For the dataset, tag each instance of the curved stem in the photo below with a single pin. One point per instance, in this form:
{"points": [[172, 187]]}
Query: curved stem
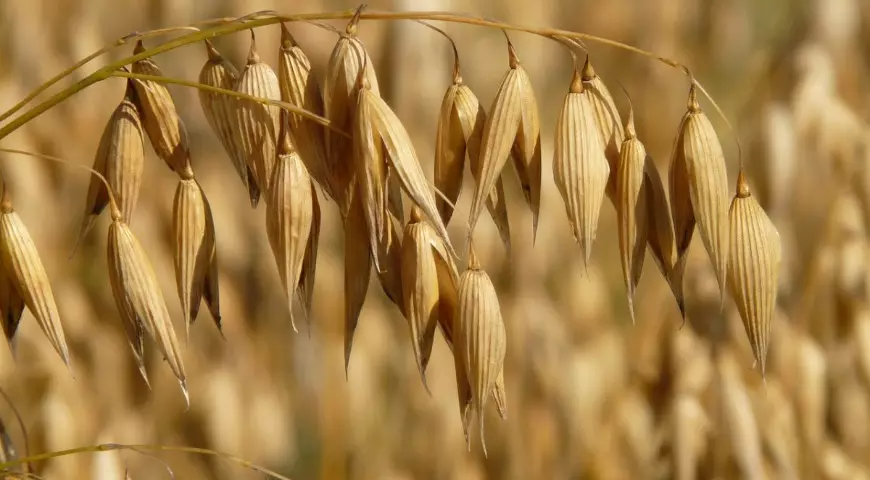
{"points": [[106, 447]]}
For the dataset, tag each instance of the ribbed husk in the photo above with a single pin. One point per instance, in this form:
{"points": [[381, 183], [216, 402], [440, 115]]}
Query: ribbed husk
{"points": [[25, 271], [299, 87], [211, 288], [11, 307], [165, 129], [193, 247], [339, 99], [258, 124], [460, 131], [660, 238], [698, 152], [121, 159], [220, 112], [632, 210], [580, 168], [403, 161], [607, 120], [753, 269], [357, 271], [140, 301], [682, 213], [309, 266], [481, 335], [289, 218], [512, 125]]}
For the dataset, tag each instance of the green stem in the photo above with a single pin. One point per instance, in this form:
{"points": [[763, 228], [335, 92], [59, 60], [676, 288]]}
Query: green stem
{"points": [[244, 24], [107, 447]]}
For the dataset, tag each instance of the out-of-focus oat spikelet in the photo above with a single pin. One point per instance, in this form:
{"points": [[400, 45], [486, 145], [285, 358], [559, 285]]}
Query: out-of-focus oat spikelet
{"points": [[580, 168], [160, 118], [753, 269], [25, 271]]}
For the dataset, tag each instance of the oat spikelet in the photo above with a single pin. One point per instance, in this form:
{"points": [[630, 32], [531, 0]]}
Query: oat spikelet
{"points": [[631, 209], [753, 268], [390, 277], [164, 127], [11, 307], [699, 152], [258, 124], [139, 299], [403, 161], [21, 263], [420, 288], [211, 288], [481, 335], [607, 121], [299, 87], [339, 96], [121, 159], [511, 126], [357, 271], [220, 111], [580, 168], [193, 247], [289, 214]]}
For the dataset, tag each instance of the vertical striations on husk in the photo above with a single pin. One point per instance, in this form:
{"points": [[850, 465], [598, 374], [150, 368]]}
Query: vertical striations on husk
{"points": [[607, 121]]}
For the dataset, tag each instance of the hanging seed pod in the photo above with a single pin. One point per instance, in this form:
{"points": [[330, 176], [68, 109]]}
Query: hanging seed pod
{"points": [[348, 58], [305, 291], [357, 271], [370, 170], [258, 124], [121, 159], [391, 277], [164, 127], [631, 209], [699, 160], [289, 213], [300, 88], [607, 121], [660, 236], [403, 161], [192, 249], [580, 169], [753, 270], [11, 307], [220, 111], [211, 289], [24, 270], [513, 124], [139, 299], [481, 335], [420, 284]]}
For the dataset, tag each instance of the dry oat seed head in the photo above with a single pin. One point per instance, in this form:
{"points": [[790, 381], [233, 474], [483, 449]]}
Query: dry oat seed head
{"points": [[699, 152], [220, 112], [580, 168], [258, 125], [121, 159], [139, 299], [481, 335], [21, 263], [607, 121], [289, 217], [631, 209], [160, 118], [192, 249], [357, 271], [753, 269], [299, 87]]}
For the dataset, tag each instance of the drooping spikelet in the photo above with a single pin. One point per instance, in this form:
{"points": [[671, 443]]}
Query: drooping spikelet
{"points": [[160, 118], [753, 268], [609, 126], [220, 112], [580, 168]]}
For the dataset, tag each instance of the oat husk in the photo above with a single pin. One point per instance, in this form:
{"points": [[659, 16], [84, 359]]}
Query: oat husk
{"points": [[610, 128], [164, 127], [357, 271], [305, 291], [11, 308]]}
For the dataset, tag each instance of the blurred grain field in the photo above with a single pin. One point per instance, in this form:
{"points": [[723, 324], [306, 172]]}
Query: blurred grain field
{"points": [[589, 395]]}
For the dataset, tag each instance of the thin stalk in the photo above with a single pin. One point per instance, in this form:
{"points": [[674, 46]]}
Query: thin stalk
{"points": [[208, 88], [224, 28], [107, 447]]}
